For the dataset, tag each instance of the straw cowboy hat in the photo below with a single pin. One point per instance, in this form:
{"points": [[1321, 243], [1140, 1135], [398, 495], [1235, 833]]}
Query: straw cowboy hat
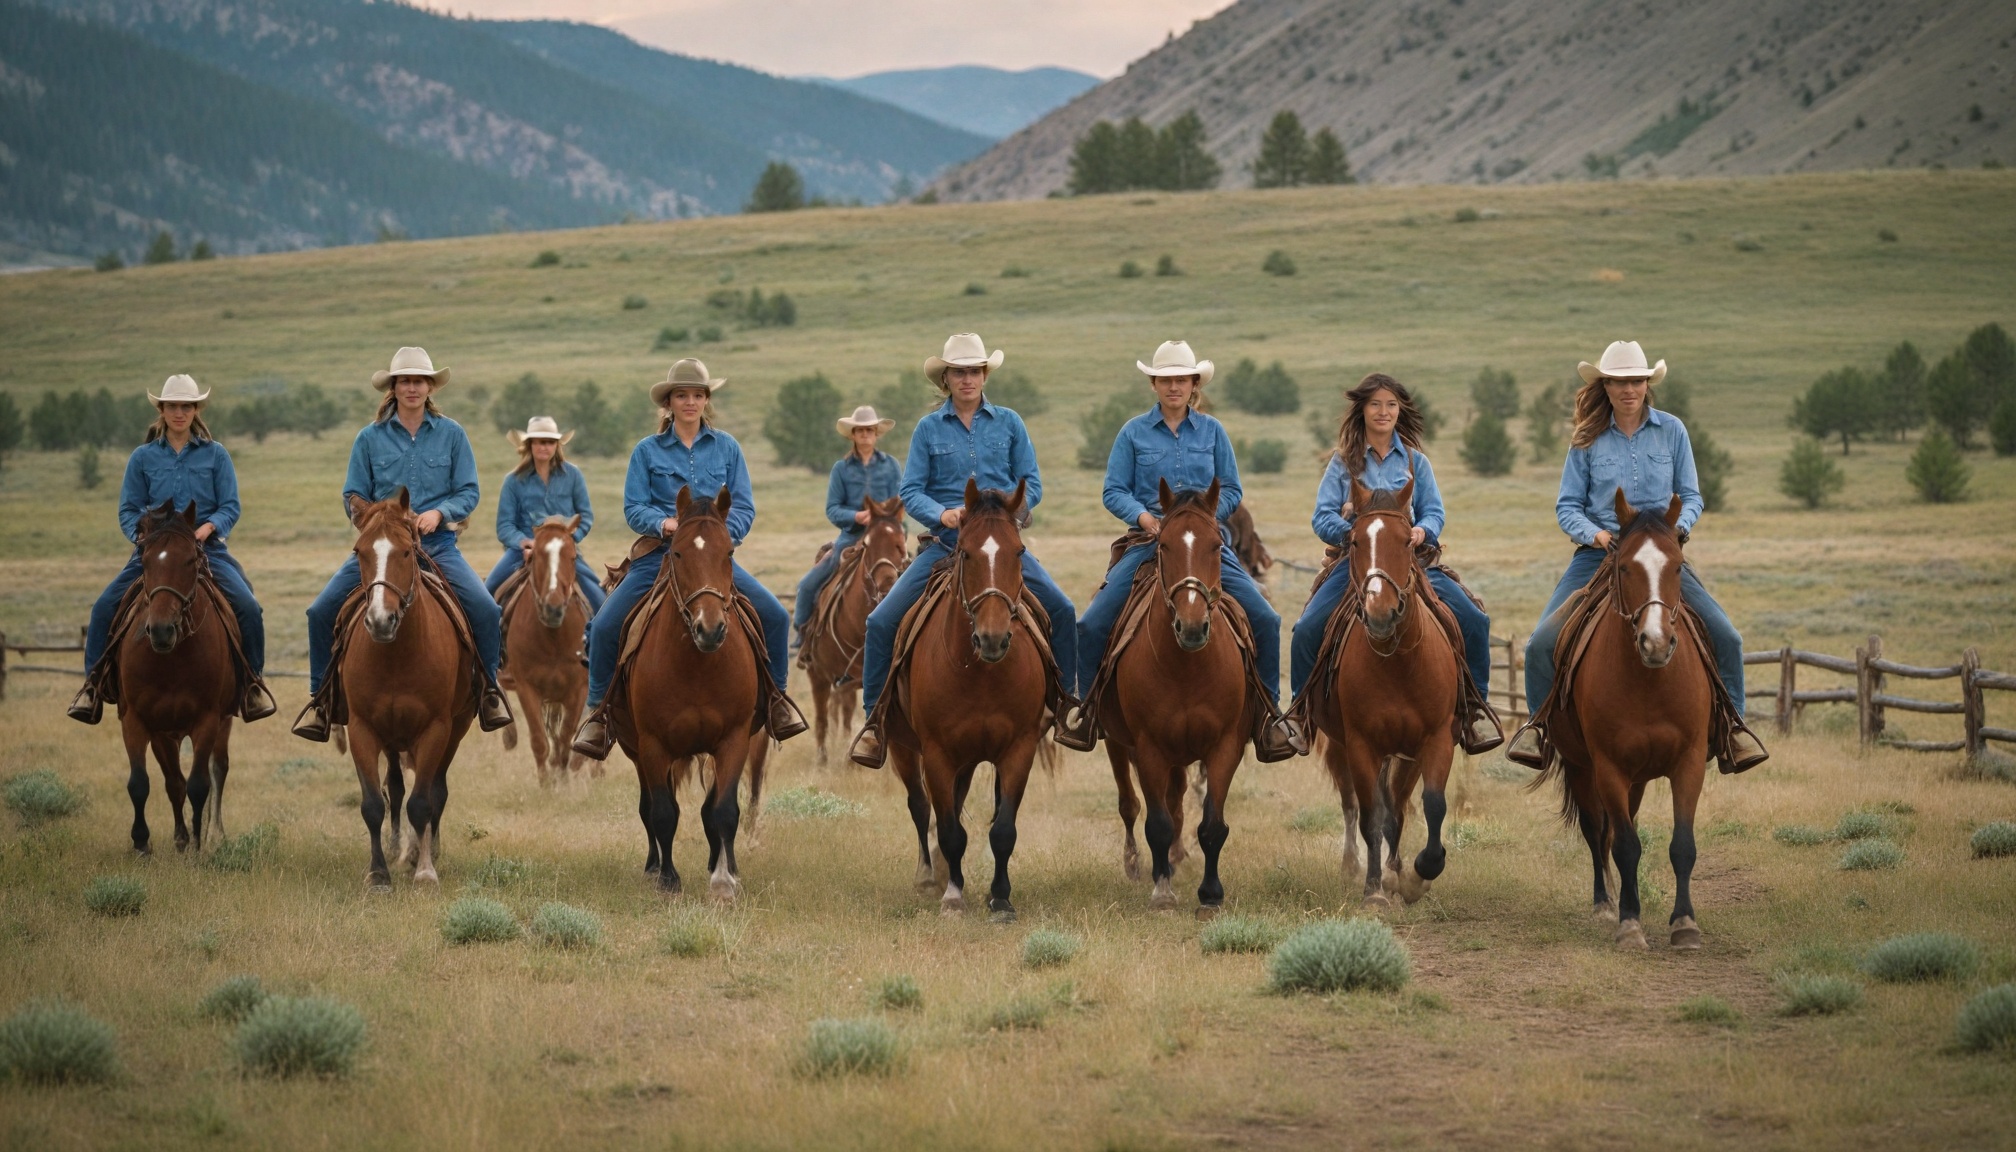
{"points": [[687, 373], [962, 350], [180, 389], [863, 417], [1174, 358], [410, 362], [539, 428], [1622, 360]]}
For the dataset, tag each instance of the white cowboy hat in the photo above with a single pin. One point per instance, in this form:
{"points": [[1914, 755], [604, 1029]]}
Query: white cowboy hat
{"points": [[539, 428], [962, 350], [1174, 358], [863, 417], [410, 362], [180, 389], [687, 373], [1622, 360]]}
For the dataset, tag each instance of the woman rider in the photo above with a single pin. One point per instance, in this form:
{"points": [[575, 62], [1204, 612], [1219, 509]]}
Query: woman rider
{"points": [[867, 471], [1174, 442], [180, 463], [1622, 442], [688, 452], [543, 484], [411, 445], [1379, 445]]}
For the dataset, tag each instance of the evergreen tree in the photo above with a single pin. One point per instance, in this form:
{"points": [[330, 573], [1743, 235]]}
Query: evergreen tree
{"points": [[162, 250], [779, 189], [1327, 164], [1953, 400], [1095, 162], [1992, 357], [11, 426], [1495, 392], [1016, 392], [1183, 162], [1101, 427], [800, 423], [53, 424], [521, 400], [1844, 403], [1137, 163], [202, 251], [1487, 448], [1901, 406], [1712, 465], [88, 475], [904, 400], [598, 431], [1546, 414], [1937, 470], [313, 411], [1263, 392], [2002, 428], [1283, 161], [1807, 475]]}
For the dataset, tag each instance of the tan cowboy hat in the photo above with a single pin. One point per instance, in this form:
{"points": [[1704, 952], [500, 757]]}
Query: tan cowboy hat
{"points": [[1622, 360], [539, 428], [180, 389], [962, 350], [410, 362], [1174, 358], [687, 373], [863, 417]]}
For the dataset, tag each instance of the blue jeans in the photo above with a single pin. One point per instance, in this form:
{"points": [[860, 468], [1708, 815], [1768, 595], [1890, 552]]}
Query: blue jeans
{"points": [[1095, 627], [1722, 635], [1315, 620], [888, 616], [584, 577], [475, 599], [230, 581], [605, 634], [808, 588]]}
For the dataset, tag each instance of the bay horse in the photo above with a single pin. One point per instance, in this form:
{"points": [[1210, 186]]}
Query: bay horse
{"points": [[690, 696], [1392, 693], [1637, 709], [407, 676], [970, 693], [176, 678], [1179, 696], [834, 651], [544, 639]]}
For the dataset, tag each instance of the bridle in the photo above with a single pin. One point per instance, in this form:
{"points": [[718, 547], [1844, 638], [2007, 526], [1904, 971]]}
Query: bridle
{"points": [[182, 626], [1209, 592], [1372, 571], [684, 598], [867, 574], [972, 603], [413, 585], [1636, 615]]}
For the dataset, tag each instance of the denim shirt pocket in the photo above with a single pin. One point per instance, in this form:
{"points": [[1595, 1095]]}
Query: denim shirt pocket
{"points": [[202, 480], [1200, 466]]}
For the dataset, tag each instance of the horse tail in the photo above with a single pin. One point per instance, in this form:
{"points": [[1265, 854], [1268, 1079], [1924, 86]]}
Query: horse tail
{"points": [[1047, 754], [759, 759], [340, 733], [1386, 806], [1556, 773]]}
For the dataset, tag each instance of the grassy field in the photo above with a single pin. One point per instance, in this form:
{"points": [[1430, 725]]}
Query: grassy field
{"points": [[1522, 1025]]}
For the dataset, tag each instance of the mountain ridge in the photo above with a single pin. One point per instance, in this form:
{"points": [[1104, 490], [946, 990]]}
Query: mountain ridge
{"points": [[993, 102]]}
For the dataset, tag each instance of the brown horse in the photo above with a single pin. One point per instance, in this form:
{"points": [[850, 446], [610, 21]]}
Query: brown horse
{"points": [[690, 695], [1637, 709], [1179, 696], [834, 651], [544, 637], [176, 678], [970, 693], [407, 676], [1390, 698]]}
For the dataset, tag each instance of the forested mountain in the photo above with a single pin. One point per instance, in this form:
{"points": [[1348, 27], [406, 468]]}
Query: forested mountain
{"points": [[991, 101]]}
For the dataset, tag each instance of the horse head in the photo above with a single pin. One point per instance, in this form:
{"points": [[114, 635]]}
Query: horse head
{"points": [[1381, 544], [884, 547], [387, 550], [1647, 575], [702, 562], [171, 562], [989, 559], [552, 568], [1187, 562]]}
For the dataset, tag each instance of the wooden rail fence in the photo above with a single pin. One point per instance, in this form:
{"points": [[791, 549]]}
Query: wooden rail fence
{"points": [[1871, 671]]}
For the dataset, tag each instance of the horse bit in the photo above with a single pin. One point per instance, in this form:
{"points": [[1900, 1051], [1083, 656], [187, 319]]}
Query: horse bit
{"points": [[413, 585], [1210, 593], [1405, 591], [685, 599], [188, 599]]}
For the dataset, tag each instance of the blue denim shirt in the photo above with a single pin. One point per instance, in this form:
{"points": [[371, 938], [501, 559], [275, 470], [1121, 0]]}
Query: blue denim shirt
{"points": [[1651, 467], [1146, 452], [526, 500], [661, 465], [944, 453], [435, 466], [880, 478], [1387, 473], [201, 472]]}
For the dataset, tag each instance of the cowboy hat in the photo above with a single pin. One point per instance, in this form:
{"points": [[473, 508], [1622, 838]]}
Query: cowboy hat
{"points": [[410, 362], [687, 373], [539, 428], [1622, 360], [863, 417], [1174, 358], [179, 389], [962, 350]]}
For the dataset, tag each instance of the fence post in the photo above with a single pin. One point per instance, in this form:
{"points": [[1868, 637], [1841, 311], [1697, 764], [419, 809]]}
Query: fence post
{"points": [[1876, 721], [1513, 652], [1788, 679], [3, 666], [1972, 710], [1863, 690]]}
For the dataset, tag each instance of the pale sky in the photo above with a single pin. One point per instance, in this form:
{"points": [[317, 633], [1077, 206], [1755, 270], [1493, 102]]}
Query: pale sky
{"points": [[852, 37]]}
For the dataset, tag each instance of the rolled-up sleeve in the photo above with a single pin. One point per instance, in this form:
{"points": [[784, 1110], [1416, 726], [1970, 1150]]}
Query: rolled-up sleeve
{"points": [[1328, 520], [226, 480], [1571, 503]]}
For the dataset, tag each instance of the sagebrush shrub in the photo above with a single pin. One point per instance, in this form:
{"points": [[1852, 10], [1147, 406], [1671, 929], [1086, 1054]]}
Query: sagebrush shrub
{"points": [[1814, 995], [1871, 856], [1921, 957], [1709, 1010], [234, 999], [1340, 956], [1047, 948], [52, 1042], [691, 934], [899, 992], [1798, 835], [1987, 1023], [115, 895], [565, 926], [1238, 934], [244, 852], [1996, 839], [1861, 826], [477, 920], [849, 1047], [292, 1036], [41, 796]]}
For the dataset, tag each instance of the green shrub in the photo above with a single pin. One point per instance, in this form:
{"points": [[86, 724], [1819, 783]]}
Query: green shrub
{"points": [[1871, 856], [116, 895], [1101, 427], [1487, 448], [1165, 265], [565, 926], [1861, 826], [478, 920], [2002, 428], [1813, 995], [41, 796], [1467, 216], [88, 474], [1262, 455], [1920, 957], [1798, 835], [1937, 470], [1264, 392], [800, 423], [51, 1042], [1129, 270], [635, 303], [234, 999], [1340, 956], [1278, 263], [1011, 389], [668, 336], [290, 1036], [849, 1047], [1709, 1010], [898, 992], [244, 852], [1238, 934], [1997, 839], [109, 262], [1987, 1023], [1495, 391], [691, 934], [974, 288], [1047, 948], [811, 804], [1014, 272], [709, 334], [499, 872], [546, 259], [1022, 1014], [1807, 475]]}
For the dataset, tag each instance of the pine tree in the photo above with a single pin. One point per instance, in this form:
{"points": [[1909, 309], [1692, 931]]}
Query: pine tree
{"points": [[1496, 392], [162, 250], [1184, 163], [1937, 470], [2002, 428], [1283, 161], [1095, 161], [1137, 163], [11, 426], [1712, 465], [1487, 448], [1327, 164], [597, 430], [779, 189], [1546, 413], [1953, 400], [1844, 403], [521, 400], [1901, 406], [800, 423], [1807, 475]]}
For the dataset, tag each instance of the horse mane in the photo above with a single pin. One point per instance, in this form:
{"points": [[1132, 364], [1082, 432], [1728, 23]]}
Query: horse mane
{"points": [[156, 525], [993, 502], [1188, 499], [1385, 500], [553, 522]]}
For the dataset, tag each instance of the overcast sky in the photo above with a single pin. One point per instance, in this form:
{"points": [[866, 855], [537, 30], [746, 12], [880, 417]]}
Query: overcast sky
{"points": [[852, 37]]}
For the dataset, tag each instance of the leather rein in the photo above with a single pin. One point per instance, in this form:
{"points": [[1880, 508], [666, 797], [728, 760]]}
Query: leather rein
{"points": [[1209, 592], [685, 599], [1636, 615], [1374, 572], [183, 627], [972, 603]]}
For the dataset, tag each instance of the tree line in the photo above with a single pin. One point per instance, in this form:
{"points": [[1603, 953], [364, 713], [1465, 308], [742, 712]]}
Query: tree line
{"points": [[1131, 156]]}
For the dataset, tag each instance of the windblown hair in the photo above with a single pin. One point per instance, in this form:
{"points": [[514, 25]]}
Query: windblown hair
{"points": [[1592, 412], [391, 404], [526, 466], [198, 430], [1351, 432]]}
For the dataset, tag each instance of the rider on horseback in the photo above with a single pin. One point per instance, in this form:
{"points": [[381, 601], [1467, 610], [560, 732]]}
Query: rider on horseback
{"points": [[866, 471], [543, 485]]}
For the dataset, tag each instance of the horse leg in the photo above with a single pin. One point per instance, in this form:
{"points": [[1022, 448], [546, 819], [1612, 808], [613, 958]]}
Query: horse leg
{"points": [[1154, 770], [199, 778], [135, 735], [1686, 794], [722, 813], [1179, 791], [1397, 777], [1625, 849], [1130, 807], [658, 806], [904, 762], [849, 695], [1363, 765], [395, 791], [531, 708], [577, 701], [948, 790], [1011, 777], [1212, 831], [429, 795], [822, 709], [759, 761], [1332, 752], [220, 769], [1591, 823], [168, 753], [364, 751]]}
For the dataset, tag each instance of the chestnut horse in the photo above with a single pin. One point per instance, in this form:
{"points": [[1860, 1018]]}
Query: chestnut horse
{"points": [[544, 637], [1179, 696], [1391, 696], [407, 676], [834, 664], [176, 678], [690, 694], [971, 693], [1637, 709]]}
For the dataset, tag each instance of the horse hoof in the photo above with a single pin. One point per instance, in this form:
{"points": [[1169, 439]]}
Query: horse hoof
{"points": [[1209, 911], [925, 882], [1131, 864], [1377, 902], [670, 886], [378, 882], [1686, 935], [1631, 936], [1412, 888], [1161, 901], [723, 891], [1000, 912], [952, 906], [1607, 911], [428, 876]]}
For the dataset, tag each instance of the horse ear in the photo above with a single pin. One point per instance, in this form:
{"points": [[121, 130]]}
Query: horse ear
{"points": [[684, 502], [1168, 497], [868, 503], [972, 492], [405, 501], [573, 522], [1211, 494], [1406, 497], [189, 514], [893, 506], [1021, 495], [723, 501], [1673, 511], [1625, 513], [1360, 495]]}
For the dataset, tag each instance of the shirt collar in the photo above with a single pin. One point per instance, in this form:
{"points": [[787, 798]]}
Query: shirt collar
{"points": [[950, 413], [1372, 453], [670, 437], [427, 420], [1653, 419], [1191, 419]]}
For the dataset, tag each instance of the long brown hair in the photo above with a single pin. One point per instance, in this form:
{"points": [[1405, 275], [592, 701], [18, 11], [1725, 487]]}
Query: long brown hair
{"points": [[198, 430], [1351, 432], [391, 403], [1592, 412], [526, 466], [665, 417]]}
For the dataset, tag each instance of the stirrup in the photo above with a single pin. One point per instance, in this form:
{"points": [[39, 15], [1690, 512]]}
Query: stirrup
{"points": [[1280, 738], [868, 750], [493, 711], [1479, 731], [594, 738], [87, 706], [1529, 747], [313, 723], [1076, 729], [784, 718], [258, 703], [1741, 751]]}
